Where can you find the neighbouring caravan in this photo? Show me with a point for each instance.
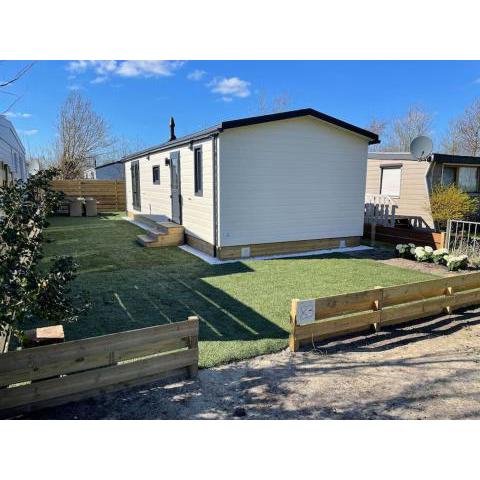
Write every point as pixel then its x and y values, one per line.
pixel 407 183
pixel 280 183
pixel 12 153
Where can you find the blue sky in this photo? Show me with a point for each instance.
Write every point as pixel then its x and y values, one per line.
pixel 137 98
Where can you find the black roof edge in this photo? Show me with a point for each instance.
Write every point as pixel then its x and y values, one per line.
pixel 243 122
pixel 107 164
pixel 448 158
pixel 185 140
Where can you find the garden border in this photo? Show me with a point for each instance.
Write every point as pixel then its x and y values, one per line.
pixel 52 375
pixel 338 315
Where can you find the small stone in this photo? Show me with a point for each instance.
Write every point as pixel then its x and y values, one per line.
pixel 239 412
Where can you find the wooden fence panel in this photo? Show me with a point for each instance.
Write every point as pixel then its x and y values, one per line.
pixel 397 235
pixel 53 374
pixel 110 194
pixel 338 315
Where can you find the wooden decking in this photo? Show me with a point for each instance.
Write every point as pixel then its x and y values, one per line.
pixel 159 231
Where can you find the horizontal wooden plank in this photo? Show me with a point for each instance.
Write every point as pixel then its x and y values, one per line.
pixel 94 379
pixel 350 302
pixel 53 402
pixel 340 333
pixel 414 310
pixel 335 325
pixel 466 298
pixel 465 282
pixel 414 291
pixel 78 355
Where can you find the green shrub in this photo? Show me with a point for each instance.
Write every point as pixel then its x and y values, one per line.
pixel 439 256
pixel 454 263
pixel 450 203
pixel 28 292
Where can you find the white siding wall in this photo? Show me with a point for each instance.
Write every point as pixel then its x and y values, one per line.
pixel 296 179
pixel 12 152
pixel 197 212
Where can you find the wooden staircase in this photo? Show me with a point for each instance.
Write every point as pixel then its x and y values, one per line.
pixel 159 233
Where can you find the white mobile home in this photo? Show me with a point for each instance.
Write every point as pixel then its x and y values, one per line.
pixel 280 183
pixel 12 153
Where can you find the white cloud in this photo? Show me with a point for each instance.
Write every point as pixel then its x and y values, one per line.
pixel 77 66
pixel 17 115
pixel 97 80
pixel 75 86
pixel 230 87
pixel 33 131
pixel 196 75
pixel 124 68
pixel 146 68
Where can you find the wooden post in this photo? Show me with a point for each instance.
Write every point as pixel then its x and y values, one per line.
pixel 293 343
pixel 442 240
pixel 449 293
pixel 193 344
pixel 377 306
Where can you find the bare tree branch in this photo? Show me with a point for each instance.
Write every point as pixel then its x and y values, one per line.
pixel 83 137
pixel 379 127
pixel 465 132
pixel 417 121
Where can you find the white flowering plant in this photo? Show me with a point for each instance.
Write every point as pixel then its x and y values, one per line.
pixel 456 262
pixel 439 256
pixel 405 250
pixel 423 254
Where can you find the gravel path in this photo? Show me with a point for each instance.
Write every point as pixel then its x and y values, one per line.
pixel 426 370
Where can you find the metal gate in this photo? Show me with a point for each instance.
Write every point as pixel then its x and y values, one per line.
pixel 463 237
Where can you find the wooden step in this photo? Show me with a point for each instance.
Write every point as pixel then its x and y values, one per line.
pixel 161 240
pixel 159 233
pixel 169 227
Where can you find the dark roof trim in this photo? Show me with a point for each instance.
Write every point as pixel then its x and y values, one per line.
pixel 175 143
pixel 243 122
pixel 107 164
pixel 301 113
pixel 446 158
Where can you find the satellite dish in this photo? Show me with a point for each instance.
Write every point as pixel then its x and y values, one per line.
pixel 421 147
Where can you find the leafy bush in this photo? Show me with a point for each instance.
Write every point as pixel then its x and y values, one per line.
pixel 456 262
pixel 29 293
pixel 439 255
pixel 449 202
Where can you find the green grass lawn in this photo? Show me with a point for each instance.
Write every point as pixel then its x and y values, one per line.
pixel 243 307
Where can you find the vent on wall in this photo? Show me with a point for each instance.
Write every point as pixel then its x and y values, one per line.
pixel 245 252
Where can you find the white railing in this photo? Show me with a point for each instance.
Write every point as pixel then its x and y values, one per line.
pixel 463 237
pixel 379 210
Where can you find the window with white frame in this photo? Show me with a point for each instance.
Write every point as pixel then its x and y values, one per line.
pixel 390 181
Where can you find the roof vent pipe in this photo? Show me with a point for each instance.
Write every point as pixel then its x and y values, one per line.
pixel 172 129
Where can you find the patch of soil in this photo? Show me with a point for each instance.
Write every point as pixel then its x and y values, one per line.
pixel 424 267
pixel 428 369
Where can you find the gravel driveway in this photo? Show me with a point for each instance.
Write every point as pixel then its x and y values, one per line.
pixel 426 370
